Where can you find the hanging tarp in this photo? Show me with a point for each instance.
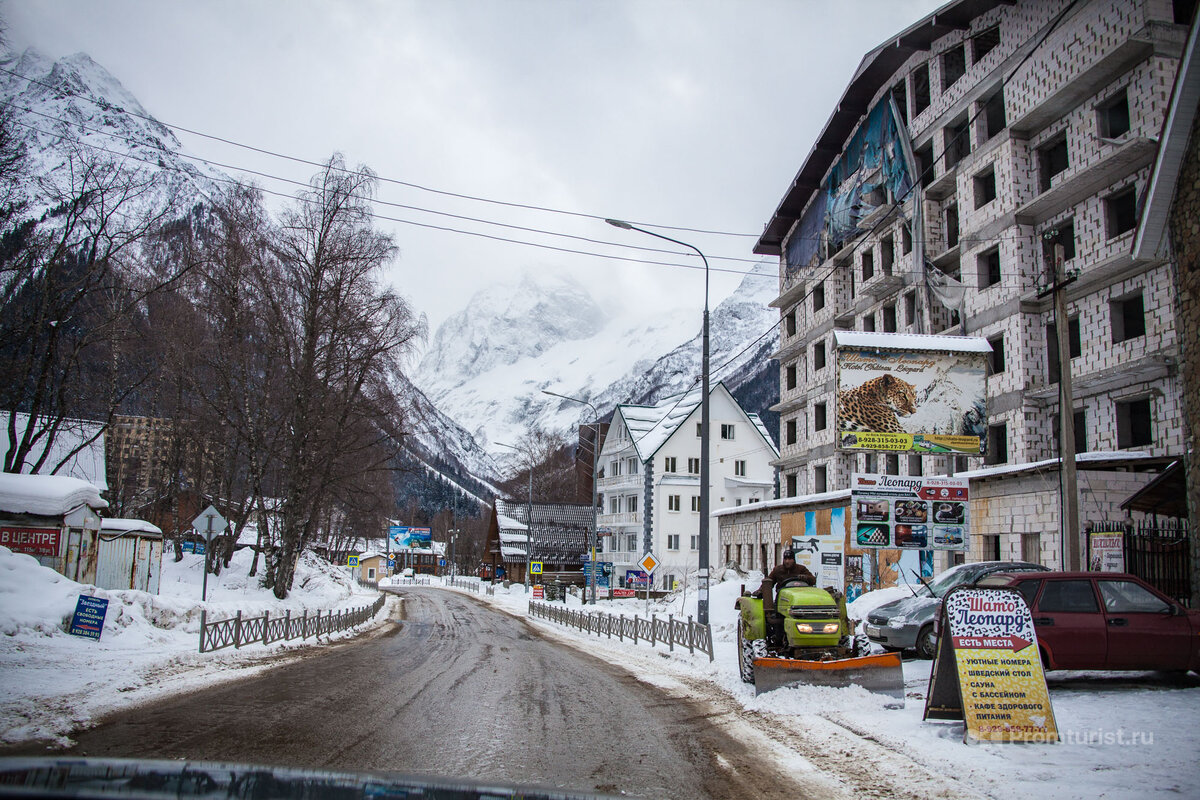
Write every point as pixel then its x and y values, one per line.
pixel 872 159
pixel 804 246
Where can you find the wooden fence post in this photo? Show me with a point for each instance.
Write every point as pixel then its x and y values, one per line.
pixel 266 625
pixel 237 631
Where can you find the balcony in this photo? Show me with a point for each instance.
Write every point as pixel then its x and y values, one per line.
pixel 622 518
pixel 615 482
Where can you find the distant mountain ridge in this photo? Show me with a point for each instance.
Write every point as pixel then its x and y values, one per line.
pixel 482 377
pixel 497 390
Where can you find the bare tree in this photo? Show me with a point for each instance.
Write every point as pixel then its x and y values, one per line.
pixel 340 337
pixel 70 307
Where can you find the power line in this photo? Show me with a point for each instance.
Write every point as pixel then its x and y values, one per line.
pixel 377 216
pixel 383 179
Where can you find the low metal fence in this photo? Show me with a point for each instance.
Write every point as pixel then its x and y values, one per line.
pixel 239 630
pixel 472 586
pixel 415 580
pixel 652 630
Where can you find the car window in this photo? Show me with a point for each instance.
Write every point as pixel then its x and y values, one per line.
pixel 1127 597
pixel 1029 590
pixel 1074 597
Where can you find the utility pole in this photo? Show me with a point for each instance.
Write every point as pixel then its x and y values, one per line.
pixel 1068 485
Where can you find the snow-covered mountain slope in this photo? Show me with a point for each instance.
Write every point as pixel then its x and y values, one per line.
pixel 488 366
pixel 72 112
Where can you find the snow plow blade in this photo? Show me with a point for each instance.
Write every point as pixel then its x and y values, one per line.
pixel 881 673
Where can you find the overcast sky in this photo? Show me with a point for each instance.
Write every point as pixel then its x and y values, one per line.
pixel 688 113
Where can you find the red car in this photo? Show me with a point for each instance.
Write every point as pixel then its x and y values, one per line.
pixel 1106 620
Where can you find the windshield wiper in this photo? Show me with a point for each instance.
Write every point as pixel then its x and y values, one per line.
pixel 923 583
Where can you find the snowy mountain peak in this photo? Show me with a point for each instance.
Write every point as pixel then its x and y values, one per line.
pixel 504 324
pixel 74 108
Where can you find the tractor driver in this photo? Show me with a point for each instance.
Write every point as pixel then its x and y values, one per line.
pixel 790 569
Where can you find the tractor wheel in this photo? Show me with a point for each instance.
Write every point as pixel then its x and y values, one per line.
pixel 927 642
pixel 745 657
pixel 862 645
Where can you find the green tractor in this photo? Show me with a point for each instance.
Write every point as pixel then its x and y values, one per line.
pixel 798 634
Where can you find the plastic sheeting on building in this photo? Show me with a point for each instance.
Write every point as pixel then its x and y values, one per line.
pixel 873 160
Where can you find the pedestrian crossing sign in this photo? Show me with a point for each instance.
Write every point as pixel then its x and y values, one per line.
pixel 535 567
pixel 352 561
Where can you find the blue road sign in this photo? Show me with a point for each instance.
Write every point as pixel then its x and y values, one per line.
pixel 88 620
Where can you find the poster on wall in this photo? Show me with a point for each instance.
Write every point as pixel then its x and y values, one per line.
pixel 911 393
pixel 909 513
pixel 1106 551
pixel 821 547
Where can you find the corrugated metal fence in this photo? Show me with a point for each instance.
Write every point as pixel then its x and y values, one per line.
pixel 653 630
pixel 241 630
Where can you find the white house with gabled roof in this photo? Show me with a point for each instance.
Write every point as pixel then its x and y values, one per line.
pixel 649 479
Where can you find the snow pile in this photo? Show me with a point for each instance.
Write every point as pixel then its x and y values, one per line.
pixel 150 643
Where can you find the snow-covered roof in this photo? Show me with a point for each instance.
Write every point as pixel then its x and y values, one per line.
pixel 119 525
pixel 507 536
pixel 747 483
pixel 1097 459
pixel 509 524
pixel 46 495
pixel 786 502
pixel 911 341
pixel 88 464
pixel 517 552
pixel 650 426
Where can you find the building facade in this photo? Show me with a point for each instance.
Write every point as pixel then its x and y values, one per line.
pixel 979 159
pixel 649 480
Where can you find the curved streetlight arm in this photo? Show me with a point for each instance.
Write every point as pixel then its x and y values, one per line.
pixel 705 480
pixel 625 226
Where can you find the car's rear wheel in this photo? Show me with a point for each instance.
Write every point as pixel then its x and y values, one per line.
pixel 927 642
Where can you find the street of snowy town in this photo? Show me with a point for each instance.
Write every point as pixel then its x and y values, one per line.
pixel 1123 734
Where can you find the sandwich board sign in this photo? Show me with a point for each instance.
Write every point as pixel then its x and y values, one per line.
pixel 988 671
pixel 88 619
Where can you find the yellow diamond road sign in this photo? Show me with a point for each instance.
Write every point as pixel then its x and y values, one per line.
pixel 648 562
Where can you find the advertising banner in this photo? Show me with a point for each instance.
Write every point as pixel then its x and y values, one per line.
pixel 88 620
pixel 909 513
pixel 911 393
pixel 1107 551
pixel 34 541
pixel 988 671
pixel 406 538
pixel 822 544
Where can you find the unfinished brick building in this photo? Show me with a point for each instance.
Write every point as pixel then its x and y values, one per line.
pixel 1013 134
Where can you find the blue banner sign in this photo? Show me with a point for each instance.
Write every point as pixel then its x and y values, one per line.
pixel 406 538
pixel 194 547
pixel 88 620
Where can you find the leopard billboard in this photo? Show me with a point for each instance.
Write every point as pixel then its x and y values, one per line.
pixel 911 393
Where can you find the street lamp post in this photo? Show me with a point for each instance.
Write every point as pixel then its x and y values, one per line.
pixel 528 513
pixel 595 485
pixel 702 595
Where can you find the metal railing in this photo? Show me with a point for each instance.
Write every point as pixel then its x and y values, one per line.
pixel 240 630
pixel 472 586
pixel 653 630
pixel 415 580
